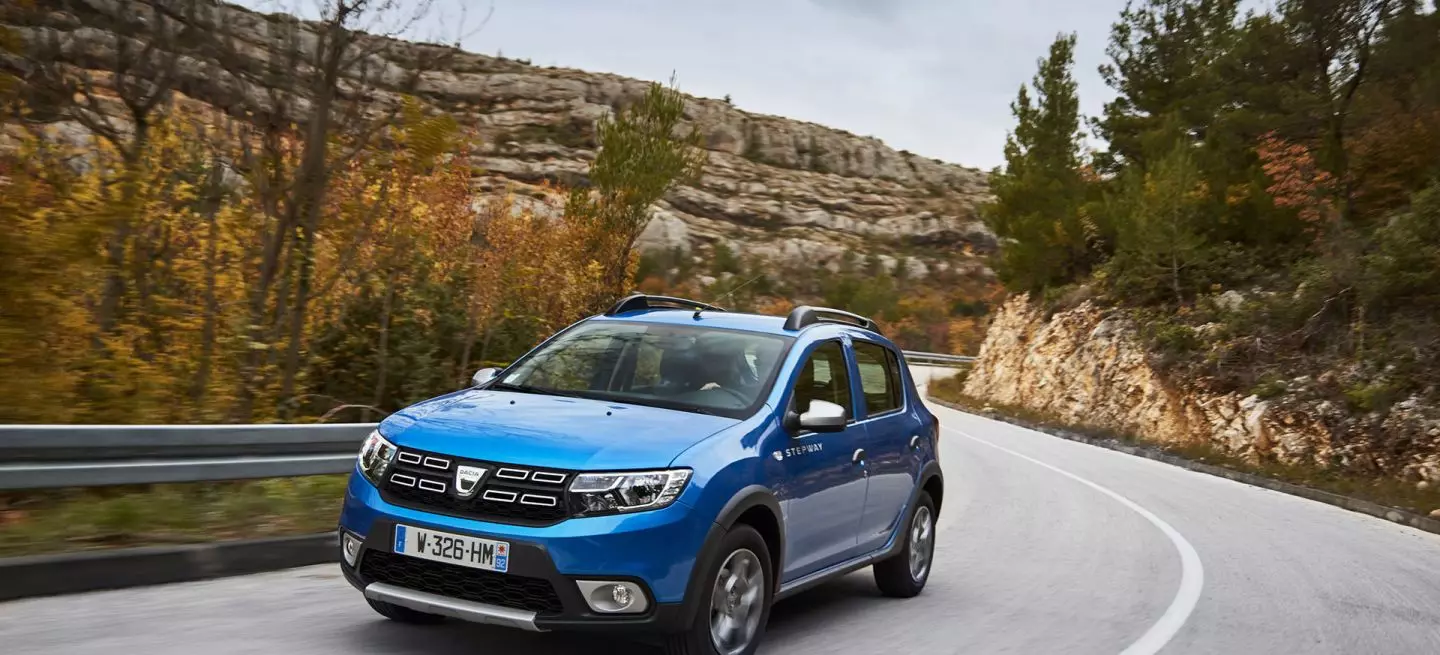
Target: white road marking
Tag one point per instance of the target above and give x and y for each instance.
(1192, 573)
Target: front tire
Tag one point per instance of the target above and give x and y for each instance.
(400, 614)
(736, 604)
(903, 574)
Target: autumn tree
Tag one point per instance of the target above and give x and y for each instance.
(141, 369)
(46, 249)
(288, 261)
(399, 217)
(326, 83)
(1299, 184)
(141, 60)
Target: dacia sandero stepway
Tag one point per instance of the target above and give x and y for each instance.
(666, 468)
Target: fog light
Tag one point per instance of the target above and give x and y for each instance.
(613, 597)
(350, 547)
(621, 595)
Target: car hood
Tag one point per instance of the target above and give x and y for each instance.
(549, 431)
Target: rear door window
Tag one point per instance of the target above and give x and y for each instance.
(879, 378)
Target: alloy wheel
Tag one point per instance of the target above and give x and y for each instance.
(737, 602)
(922, 543)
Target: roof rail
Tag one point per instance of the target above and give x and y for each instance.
(642, 301)
(805, 315)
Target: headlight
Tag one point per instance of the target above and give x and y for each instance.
(375, 457)
(609, 493)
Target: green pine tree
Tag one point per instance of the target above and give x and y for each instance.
(1160, 250)
(1039, 195)
(1165, 63)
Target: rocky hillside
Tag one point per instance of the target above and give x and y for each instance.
(774, 187)
(1086, 366)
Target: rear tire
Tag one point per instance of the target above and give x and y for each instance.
(404, 614)
(903, 574)
(741, 583)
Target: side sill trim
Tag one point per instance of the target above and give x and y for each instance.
(810, 581)
(452, 607)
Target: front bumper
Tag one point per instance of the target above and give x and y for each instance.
(472, 611)
(655, 550)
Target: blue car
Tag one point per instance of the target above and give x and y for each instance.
(667, 468)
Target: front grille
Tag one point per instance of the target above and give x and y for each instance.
(484, 510)
(513, 591)
(507, 493)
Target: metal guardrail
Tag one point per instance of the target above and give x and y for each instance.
(51, 456)
(938, 359)
(54, 456)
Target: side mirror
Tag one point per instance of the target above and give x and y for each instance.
(823, 416)
(484, 375)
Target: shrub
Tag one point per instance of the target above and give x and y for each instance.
(1269, 387)
(966, 307)
(1170, 340)
(1370, 397)
(723, 260)
(1403, 270)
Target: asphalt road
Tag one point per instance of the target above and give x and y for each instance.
(1045, 546)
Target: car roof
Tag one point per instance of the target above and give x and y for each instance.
(738, 321)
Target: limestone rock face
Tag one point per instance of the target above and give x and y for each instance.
(1085, 366)
(774, 187)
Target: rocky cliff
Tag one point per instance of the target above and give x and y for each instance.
(1086, 366)
(773, 188)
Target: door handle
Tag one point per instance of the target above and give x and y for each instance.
(915, 442)
(858, 457)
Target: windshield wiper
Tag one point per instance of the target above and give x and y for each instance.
(644, 402)
(540, 391)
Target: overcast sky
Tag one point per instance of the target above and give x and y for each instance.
(935, 77)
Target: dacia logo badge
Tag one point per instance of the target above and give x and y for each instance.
(467, 480)
(778, 455)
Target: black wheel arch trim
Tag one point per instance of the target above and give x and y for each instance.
(930, 472)
(747, 499)
(743, 501)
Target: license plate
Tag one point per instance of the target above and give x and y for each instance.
(473, 552)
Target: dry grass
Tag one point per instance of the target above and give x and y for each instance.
(948, 388)
(84, 519)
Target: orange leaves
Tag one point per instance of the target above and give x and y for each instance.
(225, 287)
(775, 306)
(653, 284)
(47, 257)
(965, 334)
(528, 267)
(1298, 182)
(391, 211)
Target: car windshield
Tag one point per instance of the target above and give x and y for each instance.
(689, 368)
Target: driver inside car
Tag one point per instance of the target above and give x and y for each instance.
(720, 368)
